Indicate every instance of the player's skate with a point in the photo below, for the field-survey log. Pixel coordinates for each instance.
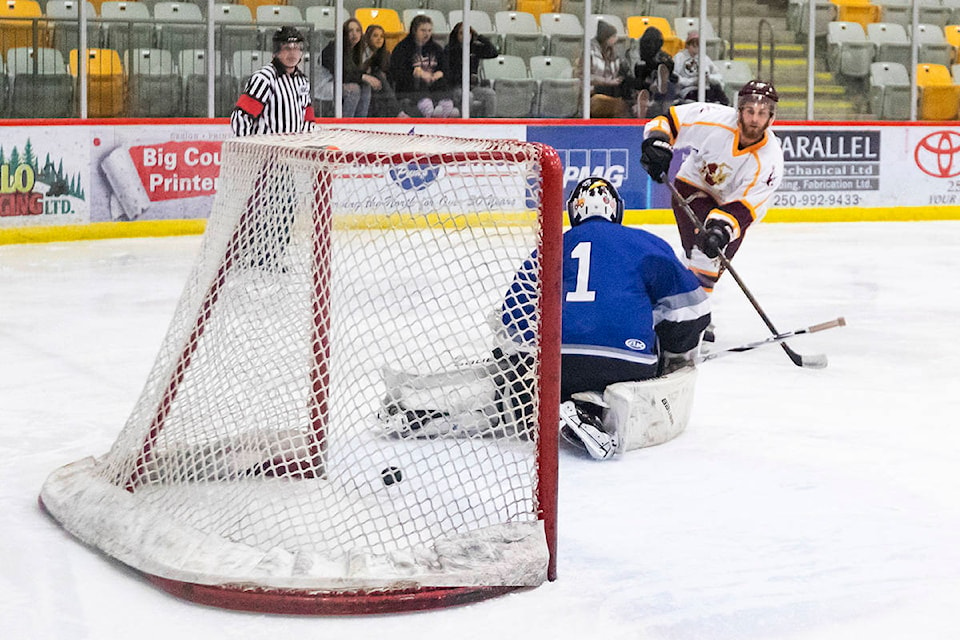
(584, 430)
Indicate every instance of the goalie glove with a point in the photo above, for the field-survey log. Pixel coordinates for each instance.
(716, 238)
(585, 431)
(655, 156)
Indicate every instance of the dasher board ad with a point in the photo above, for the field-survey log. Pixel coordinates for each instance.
(155, 173)
(876, 166)
(44, 176)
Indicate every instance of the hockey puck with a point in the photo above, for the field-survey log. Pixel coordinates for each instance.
(391, 475)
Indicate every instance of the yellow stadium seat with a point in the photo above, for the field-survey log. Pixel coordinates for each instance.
(939, 97)
(862, 11)
(389, 19)
(105, 82)
(636, 25)
(253, 4)
(536, 7)
(18, 29)
(952, 33)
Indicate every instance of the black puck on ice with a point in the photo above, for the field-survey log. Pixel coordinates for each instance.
(391, 475)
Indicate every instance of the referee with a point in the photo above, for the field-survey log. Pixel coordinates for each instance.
(276, 99)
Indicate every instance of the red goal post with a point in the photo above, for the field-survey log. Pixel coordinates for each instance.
(251, 474)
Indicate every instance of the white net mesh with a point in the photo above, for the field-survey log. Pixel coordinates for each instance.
(338, 269)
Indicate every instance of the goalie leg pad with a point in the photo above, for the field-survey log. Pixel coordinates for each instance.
(650, 412)
(459, 401)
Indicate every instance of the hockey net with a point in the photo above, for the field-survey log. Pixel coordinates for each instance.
(254, 471)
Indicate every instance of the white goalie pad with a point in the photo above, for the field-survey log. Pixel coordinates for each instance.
(471, 400)
(650, 412)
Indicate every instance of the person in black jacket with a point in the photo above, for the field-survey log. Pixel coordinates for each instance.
(653, 70)
(417, 72)
(357, 85)
(480, 49)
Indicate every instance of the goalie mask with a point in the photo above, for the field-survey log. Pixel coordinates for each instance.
(594, 198)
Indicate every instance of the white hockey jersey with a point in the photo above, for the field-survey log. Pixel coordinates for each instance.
(741, 181)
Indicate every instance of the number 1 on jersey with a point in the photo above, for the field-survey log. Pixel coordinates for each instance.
(581, 253)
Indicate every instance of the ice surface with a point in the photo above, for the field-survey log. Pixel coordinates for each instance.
(798, 504)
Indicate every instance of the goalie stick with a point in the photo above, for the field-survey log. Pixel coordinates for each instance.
(816, 361)
(776, 339)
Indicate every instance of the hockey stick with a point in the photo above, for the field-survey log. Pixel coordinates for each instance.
(817, 361)
(776, 339)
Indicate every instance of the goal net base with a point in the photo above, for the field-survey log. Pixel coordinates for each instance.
(329, 603)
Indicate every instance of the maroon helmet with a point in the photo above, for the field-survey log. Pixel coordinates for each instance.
(760, 92)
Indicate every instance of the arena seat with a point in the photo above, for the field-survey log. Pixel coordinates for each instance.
(180, 25)
(234, 29)
(40, 85)
(520, 34)
(127, 25)
(63, 18)
(389, 19)
(934, 47)
(106, 85)
(891, 42)
(938, 95)
(193, 76)
(636, 25)
(559, 98)
(849, 53)
(543, 67)
(564, 33)
(153, 84)
(862, 11)
(17, 19)
(889, 92)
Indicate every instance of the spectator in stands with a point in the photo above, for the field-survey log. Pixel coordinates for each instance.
(417, 66)
(375, 61)
(610, 82)
(653, 70)
(687, 67)
(480, 49)
(357, 85)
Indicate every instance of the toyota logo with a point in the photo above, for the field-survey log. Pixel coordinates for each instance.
(936, 154)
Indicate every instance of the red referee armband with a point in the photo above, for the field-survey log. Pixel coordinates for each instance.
(250, 105)
(308, 114)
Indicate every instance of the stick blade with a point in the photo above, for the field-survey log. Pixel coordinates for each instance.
(815, 361)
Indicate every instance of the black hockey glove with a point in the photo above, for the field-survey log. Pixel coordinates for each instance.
(656, 155)
(717, 237)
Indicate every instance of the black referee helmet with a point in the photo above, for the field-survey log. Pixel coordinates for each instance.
(286, 35)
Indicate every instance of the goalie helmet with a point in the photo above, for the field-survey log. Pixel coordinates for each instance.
(762, 93)
(594, 198)
(286, 35)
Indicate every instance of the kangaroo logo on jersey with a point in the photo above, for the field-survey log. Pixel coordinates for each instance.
(715, 174)
(413, 176)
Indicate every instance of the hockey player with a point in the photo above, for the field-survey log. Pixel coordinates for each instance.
(631, 313)
(735, 164)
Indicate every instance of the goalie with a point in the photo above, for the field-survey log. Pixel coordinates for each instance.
(632, 318)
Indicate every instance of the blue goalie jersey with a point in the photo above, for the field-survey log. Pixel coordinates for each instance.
(625, 296)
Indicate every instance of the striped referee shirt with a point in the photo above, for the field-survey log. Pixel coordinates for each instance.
(273, 102)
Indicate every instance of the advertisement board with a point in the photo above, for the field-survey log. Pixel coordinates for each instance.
(74, 174)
